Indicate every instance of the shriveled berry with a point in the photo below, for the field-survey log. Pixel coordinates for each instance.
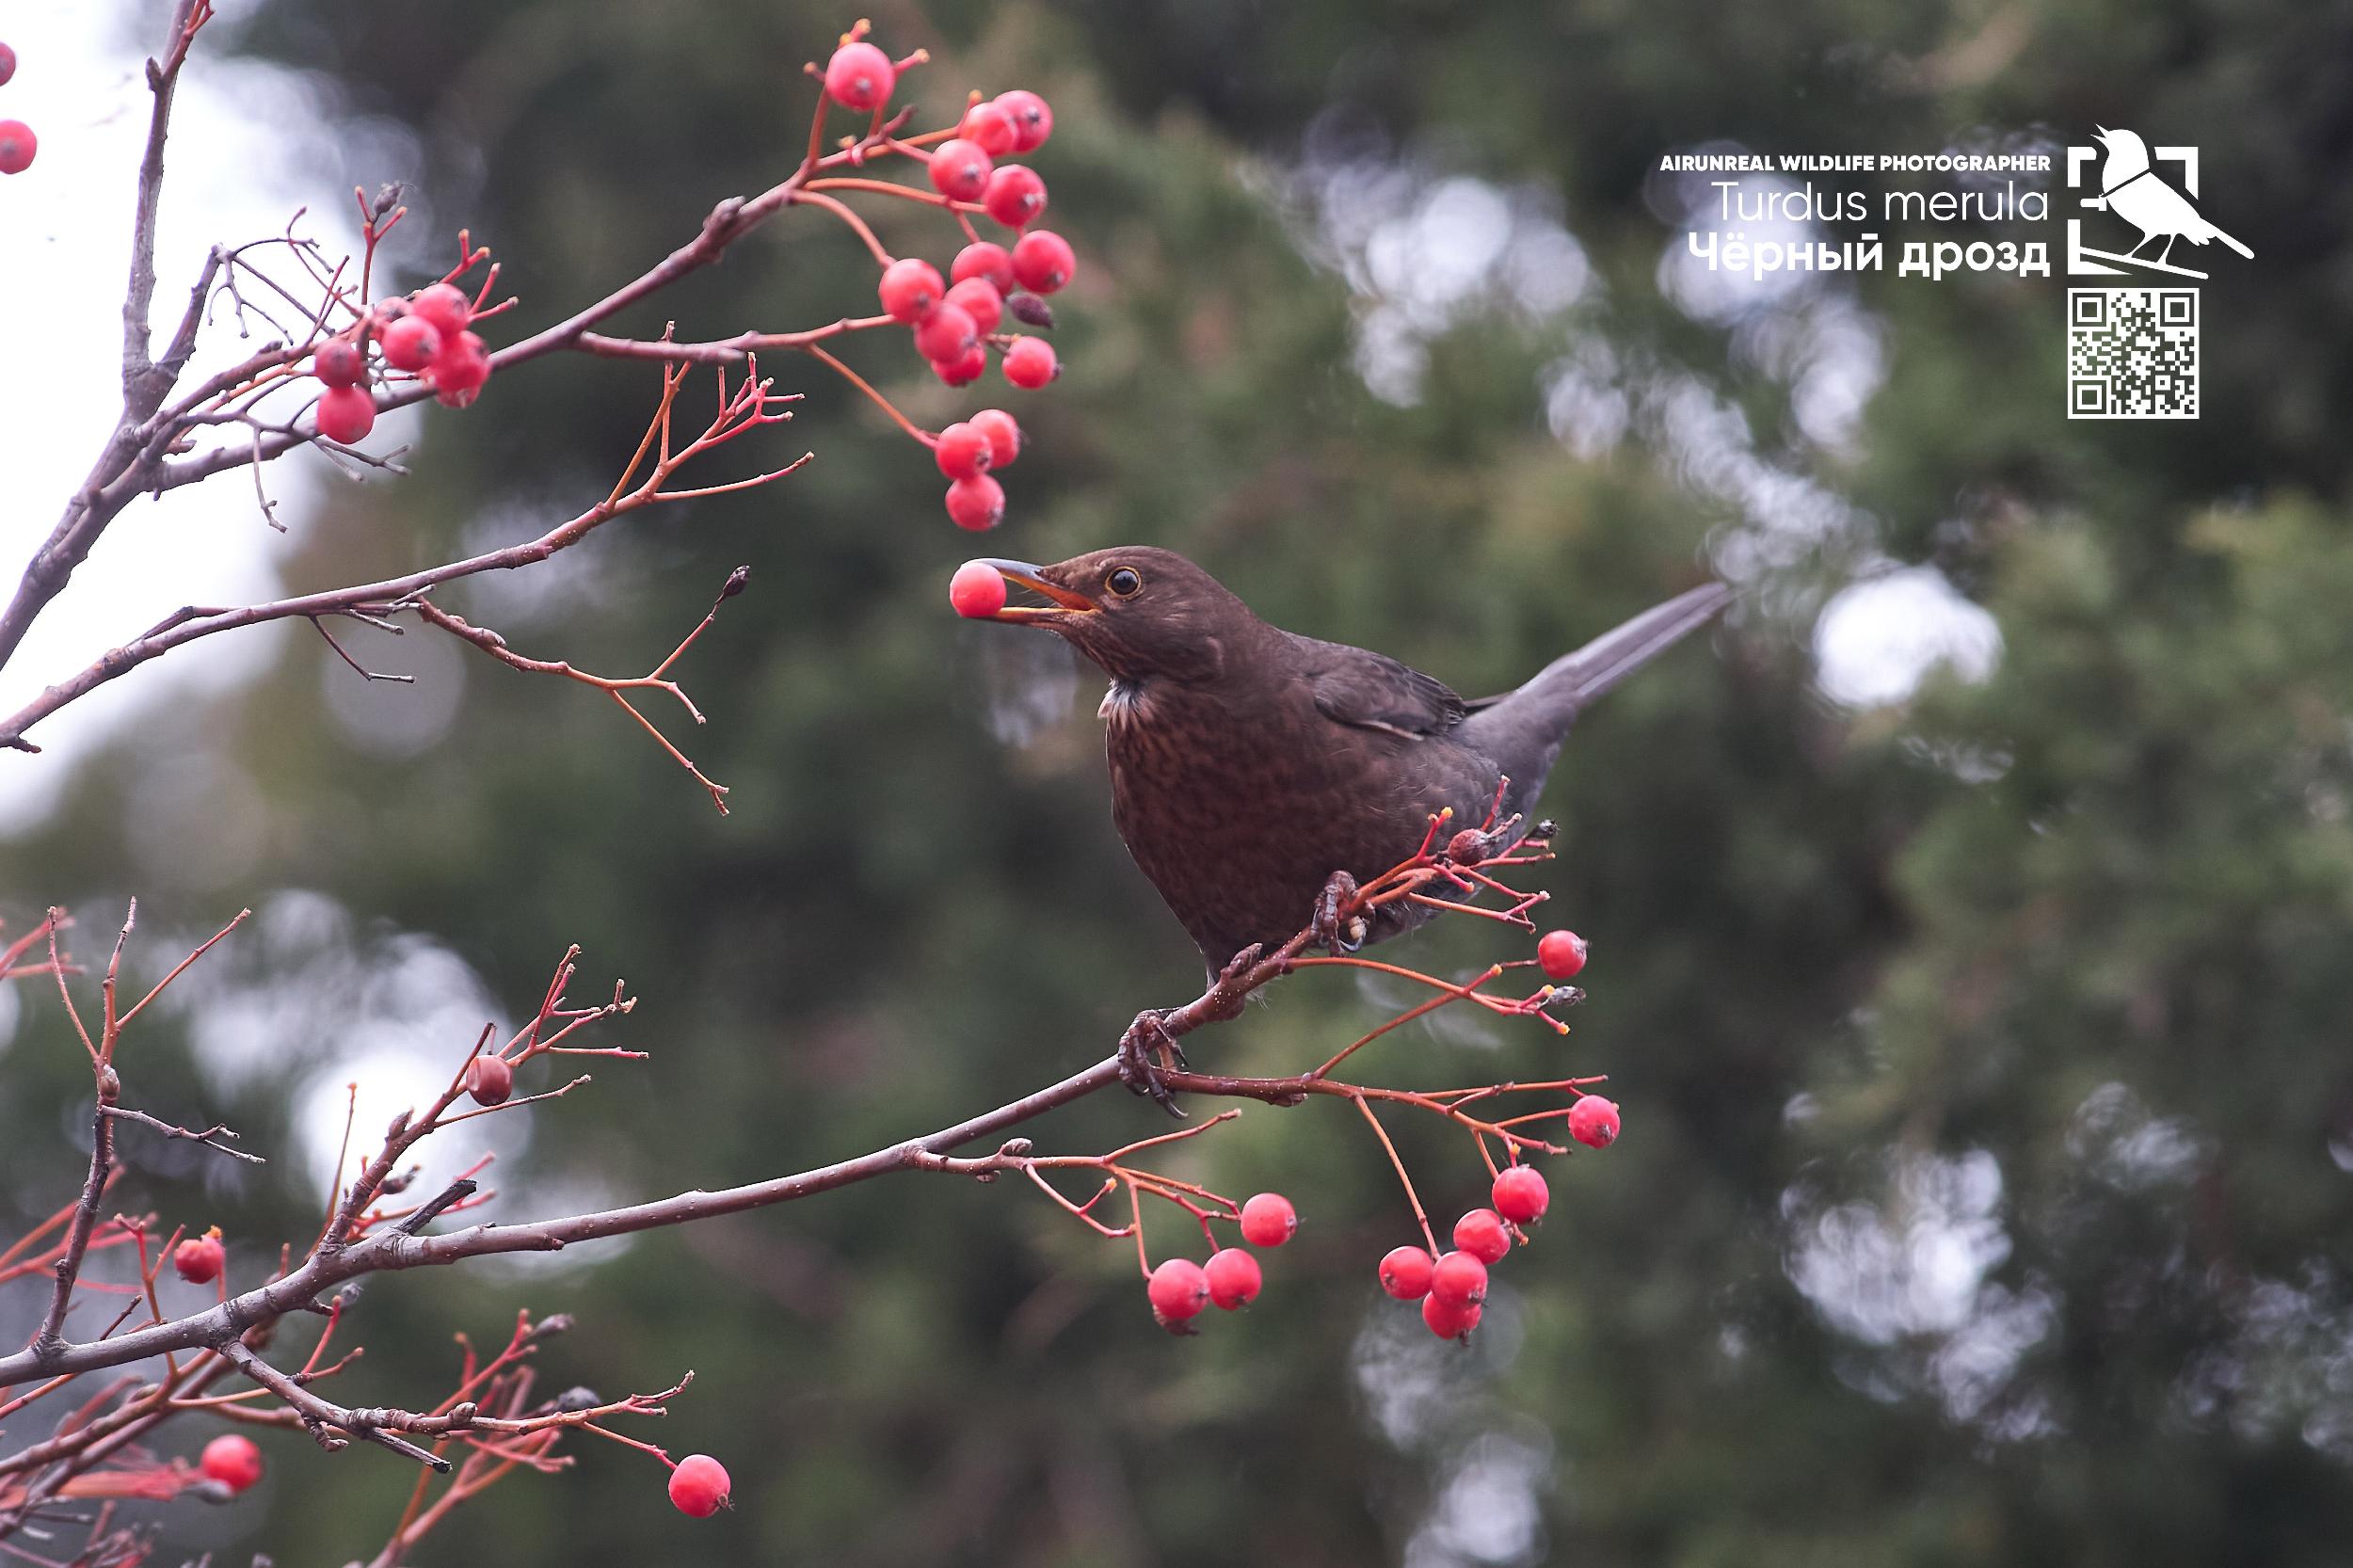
(963, 453)
(1594, 1122)
(947, 332)
(1481, 1234)
(489, 1080)
(200, 1258)
(1179, 1291)
(347, 414)
(1004, 436)
(976, 590)
(1450, 1319)
(985, 260)
(698, 1487)
(979, 299)
(1269, 1220)
(17, 146)
(1406, 1272)
(1233, 1277)
(1561, 953)
(860, 76)
(960, 169)
(7, 69)
(1467, 848)
(1029, 362)
(445, 306)
(460, 369)
(991, 128)
(1032, 121)
(1043, 261)
(1520, 1194)
(410, 343)
(1016, 195)
(233, 1460)
(340, 363)
(1459, 1278)
(976, 503)
(910, 287)
(964, 370)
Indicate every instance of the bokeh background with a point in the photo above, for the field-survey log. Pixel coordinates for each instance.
(1973, 917)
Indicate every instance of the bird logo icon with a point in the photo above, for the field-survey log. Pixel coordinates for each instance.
(2130, 186)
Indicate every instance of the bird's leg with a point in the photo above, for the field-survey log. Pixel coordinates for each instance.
(1331, 933)
(2167, 251)
(1147, 1050)
(2136, 250)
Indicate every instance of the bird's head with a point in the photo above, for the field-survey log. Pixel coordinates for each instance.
(2124, 147)
(1138, 612)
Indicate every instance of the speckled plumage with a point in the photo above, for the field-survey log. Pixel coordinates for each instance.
(1249, 763)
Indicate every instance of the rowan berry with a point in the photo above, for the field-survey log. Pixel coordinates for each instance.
(979, 298)
(1032, 121)
(1458, 1277)
(445, 306)
(910, 287)
(17, 146)
(489, 1080)
(1405, 1273)
(698, 1487)
(233, 1460)
(1043, 261)
(1269, 1220)
(1594, 1122)
(960, 169)
(985, 260)
(1015, 195)
(976, 503)
(946, 332)
(1004, 436)
(1520, 1194)
(1179, 1289)
(976, 590)
(1561, 953)
(410, 343)
(1233, 1277)
(346, 414)
(962, 452)
(200, 1258)
(1029, 362)
(860, 76)
(1481, 1234)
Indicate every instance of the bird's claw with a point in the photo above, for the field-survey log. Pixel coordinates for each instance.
(1146, 1039)
(1331, 933)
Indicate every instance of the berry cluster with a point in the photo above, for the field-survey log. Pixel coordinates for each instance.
(956, 319)
(426, 335)
(17, 142)
(1179, 1289)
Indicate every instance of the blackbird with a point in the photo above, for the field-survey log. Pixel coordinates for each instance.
(1255, 774)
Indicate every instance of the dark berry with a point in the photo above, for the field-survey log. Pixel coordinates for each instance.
(489, 1080)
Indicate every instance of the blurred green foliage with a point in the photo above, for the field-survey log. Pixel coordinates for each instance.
(1984, 1194)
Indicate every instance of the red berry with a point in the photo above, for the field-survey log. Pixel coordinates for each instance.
(991, 128)
(960, 169)
(489, 1080)
(1480, 1233)
(979, 298)
(1594, 1122)
(946, 333)
(347, 414)
(233, 1460)
(985, 260)
(1459, 1278)
(1233, 1277)
(1043, 262)
(1029, 362)
(459, 370)
(1179, 1291)
(410, 343)
(860, 76)
(1015, 195)
(1033, 121)
(340, 363)
(1269, 1220)
(201, 1258)
(1004, 436)
(976, 590)
(976, 503)
(17, 146)
(445, 306)
(910, 287)
(965, 371)
(1405, 1273)
(7, 69)
(698, 1487)
(963, 453)
(1520, 1194)
(1561, 953)
(1450, 1319)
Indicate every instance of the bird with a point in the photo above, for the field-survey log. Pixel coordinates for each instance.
(1251, 768)
(2130, 188)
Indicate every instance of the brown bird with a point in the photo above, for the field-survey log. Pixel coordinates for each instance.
(1251, 766)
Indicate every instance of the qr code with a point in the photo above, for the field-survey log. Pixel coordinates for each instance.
(2131, 353)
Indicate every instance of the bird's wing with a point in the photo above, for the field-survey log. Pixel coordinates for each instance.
(1373, 691)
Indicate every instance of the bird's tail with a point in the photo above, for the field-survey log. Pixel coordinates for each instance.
(1576, 679)
(1523, 729)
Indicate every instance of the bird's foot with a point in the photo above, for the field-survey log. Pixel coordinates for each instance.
(1333, 933)
(1228, 996)
(1146, 1052)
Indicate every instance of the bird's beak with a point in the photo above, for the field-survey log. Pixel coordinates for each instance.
(1022, 574)
(2100, 135)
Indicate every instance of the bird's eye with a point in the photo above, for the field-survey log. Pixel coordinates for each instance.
(1124, 582)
